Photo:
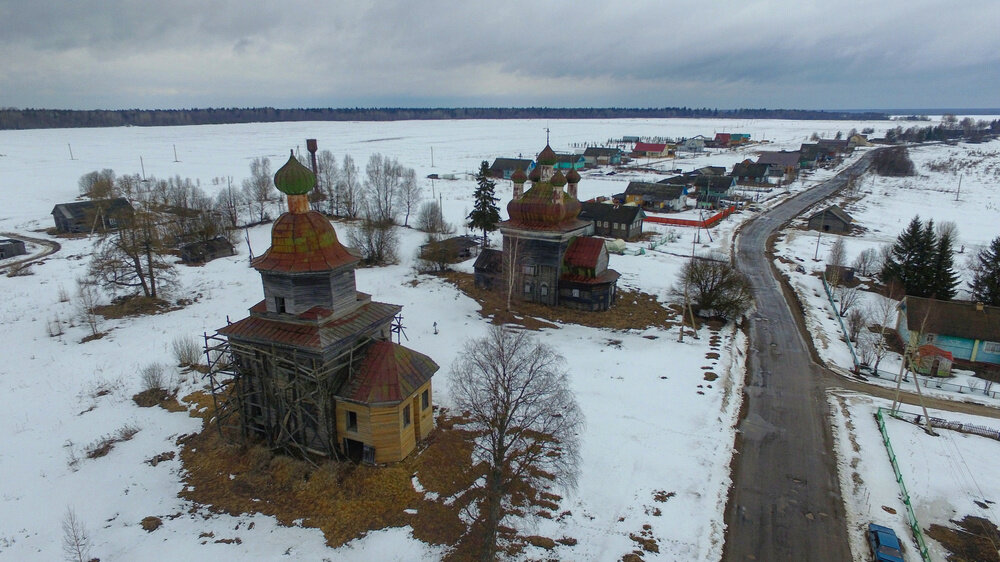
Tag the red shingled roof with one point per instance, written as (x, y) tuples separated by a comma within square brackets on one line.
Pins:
[(650, 146), (583, 251), (301, 243), (933, 351), (389, 373)]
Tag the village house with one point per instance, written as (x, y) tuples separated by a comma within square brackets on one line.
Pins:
[(857, 140), (751, 173), (612, 220), (567, 162), (711, 191), (503, 168), (831, 219), (601, 156), (90, 216), (693, 144), (708, 171), (205, 251), (969, 331), (652, 150), (10, 248), (488, 269), (313, 368), (781, 163), (657, 196), (549, 256)]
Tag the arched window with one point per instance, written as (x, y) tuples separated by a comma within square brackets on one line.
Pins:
[(544, 289)]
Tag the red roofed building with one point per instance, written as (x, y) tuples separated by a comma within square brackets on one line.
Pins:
[(934, 361), (543, 229), (652, 150), (314, 370)]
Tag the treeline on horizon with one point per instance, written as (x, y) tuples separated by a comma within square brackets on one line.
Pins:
[(13, 118)]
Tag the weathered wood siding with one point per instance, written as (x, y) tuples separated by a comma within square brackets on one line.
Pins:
[(304, 291)]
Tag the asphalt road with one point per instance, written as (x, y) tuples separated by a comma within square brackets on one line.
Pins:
[(785, 503)]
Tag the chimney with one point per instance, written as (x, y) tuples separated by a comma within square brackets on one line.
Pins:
[(311, 147)]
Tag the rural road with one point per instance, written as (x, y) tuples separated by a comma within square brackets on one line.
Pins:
[(785, 503), (50, 248)]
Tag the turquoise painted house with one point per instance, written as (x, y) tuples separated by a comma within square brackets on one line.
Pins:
[(969, 331), (566, 162)]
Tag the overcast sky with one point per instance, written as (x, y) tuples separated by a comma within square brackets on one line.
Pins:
[(90, 54)]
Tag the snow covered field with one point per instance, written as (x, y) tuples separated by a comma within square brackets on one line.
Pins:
[(653, 422)]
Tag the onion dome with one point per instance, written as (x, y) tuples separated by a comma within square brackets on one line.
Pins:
[(537, 209), (302, 243), (536, 174), (547, 157), (293, 178), (558, 179), (573, 176), (519, 176)]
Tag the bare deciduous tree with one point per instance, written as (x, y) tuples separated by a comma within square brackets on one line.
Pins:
[(328, 179), (349, 188), (383, 182), (76, 539), (715, 287), (410, 194), (376, 240), (430, 219), (865, 262), (229, 203), (87, 299), (857, 319), (259, 187), (129, 258), (846, 298), (98, 185), (515, 392)]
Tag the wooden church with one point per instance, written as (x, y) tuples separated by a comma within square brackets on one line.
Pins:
[(313, 368), (549, 255)]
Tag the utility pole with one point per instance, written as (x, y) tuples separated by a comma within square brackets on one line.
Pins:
[(822, 223), (959, 187)]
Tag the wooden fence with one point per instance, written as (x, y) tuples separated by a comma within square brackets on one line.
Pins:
[(707, 223)]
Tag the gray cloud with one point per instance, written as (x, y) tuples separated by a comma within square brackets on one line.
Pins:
[(184, 53)]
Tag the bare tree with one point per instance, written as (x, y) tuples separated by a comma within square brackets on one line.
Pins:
[(259, 187), (88, 297), (130, 258), (516, 393), (376, 240), (383, 182), (511, 265), (409, 192), (328, 178), (98, 185), (857, 319), (76, 539), (715, 287), (864, 263), (228, 203), (349, 188), (430, 219), (883, 313), (835, 258), (846, 298)]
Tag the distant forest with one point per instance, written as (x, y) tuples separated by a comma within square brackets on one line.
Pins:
[(11, 118)]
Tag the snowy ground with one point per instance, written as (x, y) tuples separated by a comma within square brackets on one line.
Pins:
[(945, 475), (653, 422)]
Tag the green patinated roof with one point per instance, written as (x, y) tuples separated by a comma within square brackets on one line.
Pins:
[(293, 178)]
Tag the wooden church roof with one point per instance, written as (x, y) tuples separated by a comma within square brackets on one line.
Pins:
[(389, 373)]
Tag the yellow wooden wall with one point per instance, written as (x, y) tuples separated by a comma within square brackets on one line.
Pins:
[(382, 426)]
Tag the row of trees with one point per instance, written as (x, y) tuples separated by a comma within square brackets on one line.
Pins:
[(14, 118)]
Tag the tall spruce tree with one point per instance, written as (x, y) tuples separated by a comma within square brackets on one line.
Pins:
[(485, 214), (985, 284), (944, 280), (908, 259)]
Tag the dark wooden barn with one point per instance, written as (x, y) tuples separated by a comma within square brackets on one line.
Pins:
[(831, 219), (206, 250), (91, 216), (10, 248), (489, 269)]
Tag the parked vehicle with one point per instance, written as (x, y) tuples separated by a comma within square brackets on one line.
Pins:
[(884, 543)]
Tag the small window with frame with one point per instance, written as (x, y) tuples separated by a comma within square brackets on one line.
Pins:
[(425, 399), (406, 416), (279, 304), (352, 421)]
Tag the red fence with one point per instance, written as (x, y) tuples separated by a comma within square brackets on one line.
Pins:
[(707, 223)]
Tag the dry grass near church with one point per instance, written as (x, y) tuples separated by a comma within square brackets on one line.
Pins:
[(633, 310)]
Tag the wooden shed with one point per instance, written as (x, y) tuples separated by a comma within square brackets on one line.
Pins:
[(10, 248), (90, 216), (488, 268), (831, 219), (207, 250)]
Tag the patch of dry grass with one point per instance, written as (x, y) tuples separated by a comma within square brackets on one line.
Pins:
[(633, 310)]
